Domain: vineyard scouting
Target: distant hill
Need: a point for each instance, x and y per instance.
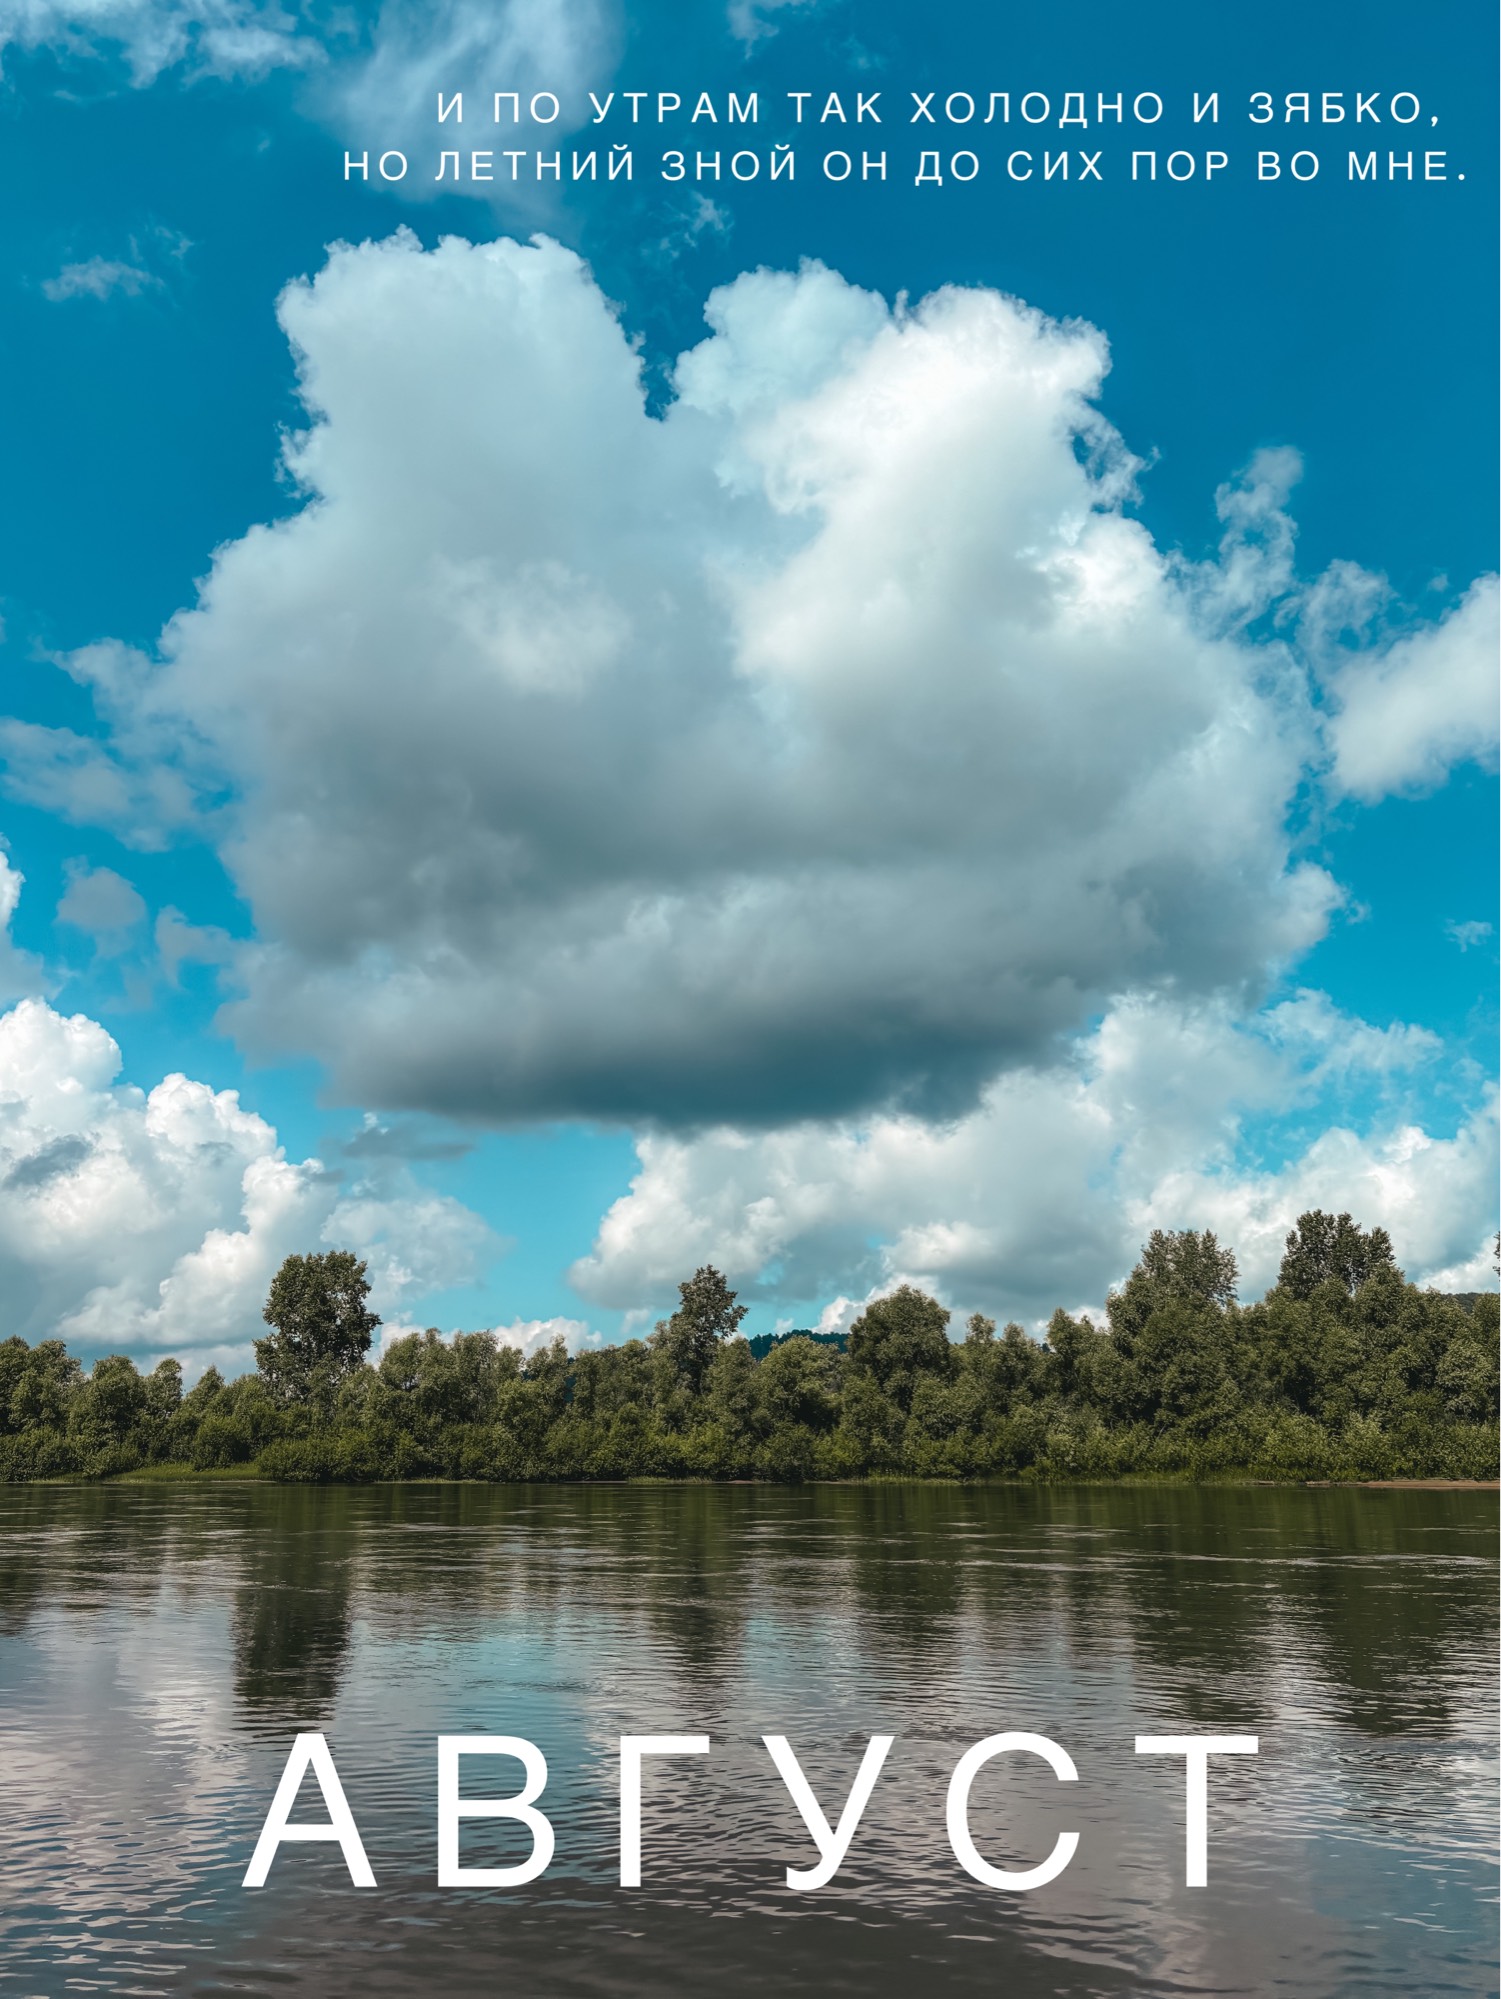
(763, 1343)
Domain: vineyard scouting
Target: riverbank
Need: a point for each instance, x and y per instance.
(248, 1475)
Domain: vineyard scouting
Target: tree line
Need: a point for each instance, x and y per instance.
(1343, 1370)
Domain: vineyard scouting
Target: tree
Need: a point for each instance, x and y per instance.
(1183, 1265)
(900, 1338)
(317, 1305)
(1073, 1345)
(798, 1382)
(689, 1340)
(1332, 1247)
(107, 1405)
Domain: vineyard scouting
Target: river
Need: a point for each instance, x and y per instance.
(162, 1644)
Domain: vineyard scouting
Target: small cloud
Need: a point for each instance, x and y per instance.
(102, 904)
(401, 1140)
(103, 277)
(530, 1336)
(78, 779)
(179, 942)
(99, 277)
(748, 20)
(701, 218)
(1467, 935)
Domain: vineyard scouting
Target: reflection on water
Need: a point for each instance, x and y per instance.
(161, 1646)
(292, 1609)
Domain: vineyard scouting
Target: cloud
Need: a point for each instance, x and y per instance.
(373, 75)
(1434, 1196)
(20, 972)
(180, 943)
(140, 798)
(1404, 717)
(155, 250)
(1402, 703)
(405, 1140)
(691, 222)
(223, 38)
(385, 92)
(1255, 567)
(99, 277)
(752, 21)
(1468, 935)
(1471, 1273)
(102, 904)
(149, 1222)
(413, 1242)
(529, 1336)
(835, 740)
(1043, 1194)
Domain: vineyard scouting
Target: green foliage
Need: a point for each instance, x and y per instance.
(1180, 1265)
(685, 1344)
(317, 1306)
(1343, 1371)
(1332, 1249)
(763, 1343)
(899, 1340)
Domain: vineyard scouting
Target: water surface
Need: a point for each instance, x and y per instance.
(160, 1646)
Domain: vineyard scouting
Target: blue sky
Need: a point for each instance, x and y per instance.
(854, 1122)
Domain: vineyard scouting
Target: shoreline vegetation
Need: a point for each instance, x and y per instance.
(1343, 1373)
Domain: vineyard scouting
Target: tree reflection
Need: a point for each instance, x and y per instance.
(293, 1607)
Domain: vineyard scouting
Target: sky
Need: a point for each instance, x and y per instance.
(853, 727)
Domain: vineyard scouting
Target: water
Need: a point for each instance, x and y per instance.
(161, 1645)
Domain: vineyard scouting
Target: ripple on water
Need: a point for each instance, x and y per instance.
(159, 1647)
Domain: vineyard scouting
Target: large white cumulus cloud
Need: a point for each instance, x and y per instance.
(1043, 1194)
(139, 1223)
(835, 739)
